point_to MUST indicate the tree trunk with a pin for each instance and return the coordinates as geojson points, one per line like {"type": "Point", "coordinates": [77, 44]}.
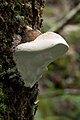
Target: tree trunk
{"type": "Point", "coordinates": [16, 100]}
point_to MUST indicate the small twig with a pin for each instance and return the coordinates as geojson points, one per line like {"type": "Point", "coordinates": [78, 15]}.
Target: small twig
{"type": "Point", "coordinates": [66, 19]}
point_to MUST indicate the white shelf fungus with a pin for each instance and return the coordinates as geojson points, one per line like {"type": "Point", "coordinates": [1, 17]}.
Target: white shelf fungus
{"type": "Point", "coordinates": [33, 57]}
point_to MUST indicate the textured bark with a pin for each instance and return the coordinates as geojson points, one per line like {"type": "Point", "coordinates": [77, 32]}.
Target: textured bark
{"type": "Point", "coordinates": [16, 100]}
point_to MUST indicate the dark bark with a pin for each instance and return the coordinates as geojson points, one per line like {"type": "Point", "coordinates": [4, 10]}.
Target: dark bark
{"type": "Point", "coordinates": [16, 100]}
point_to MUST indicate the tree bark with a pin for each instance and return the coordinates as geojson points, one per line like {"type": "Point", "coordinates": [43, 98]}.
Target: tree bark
{"type": "Point", "coordinates": [16, 100]}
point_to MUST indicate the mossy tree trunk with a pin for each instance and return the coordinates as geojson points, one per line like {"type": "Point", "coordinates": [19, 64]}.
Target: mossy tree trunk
{"type": "Point", "coordinates": [16, 100]}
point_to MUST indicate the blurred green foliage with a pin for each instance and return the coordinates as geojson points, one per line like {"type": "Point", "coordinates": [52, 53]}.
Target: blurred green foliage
{"type": "Point", "coordinates": [60, 88]}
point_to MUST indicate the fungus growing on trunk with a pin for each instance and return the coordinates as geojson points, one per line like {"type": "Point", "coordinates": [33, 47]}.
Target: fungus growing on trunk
{"type": "Point", "coordinates": [32, 58]}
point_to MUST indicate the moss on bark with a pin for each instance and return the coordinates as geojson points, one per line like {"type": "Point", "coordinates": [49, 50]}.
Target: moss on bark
{"type": "Point", "coordinates": [16, 100]}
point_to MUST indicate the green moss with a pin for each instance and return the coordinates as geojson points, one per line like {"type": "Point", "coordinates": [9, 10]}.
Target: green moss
{"type": "Point", "coordinates": [14, 16]}
{"type": "Point", "coordinates": [2, 108]}
{"type": "Point", "coordinates": [3, 99]}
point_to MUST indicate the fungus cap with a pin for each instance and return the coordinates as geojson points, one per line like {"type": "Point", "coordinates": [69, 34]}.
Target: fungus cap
{"type": "Point", "coordinates": [32, 58]}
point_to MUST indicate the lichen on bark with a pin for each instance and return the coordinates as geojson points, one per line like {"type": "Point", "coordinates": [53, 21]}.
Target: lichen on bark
{"type": "Point", "coordinates": [16, 100]}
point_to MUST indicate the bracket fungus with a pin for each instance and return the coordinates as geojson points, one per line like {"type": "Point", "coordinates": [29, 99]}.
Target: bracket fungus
{"type": "Point", "coordinates": [32, 58]}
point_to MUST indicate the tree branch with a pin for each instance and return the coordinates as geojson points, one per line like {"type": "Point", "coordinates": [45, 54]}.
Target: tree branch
{"type": "Point", "coordinates": [66, 19]}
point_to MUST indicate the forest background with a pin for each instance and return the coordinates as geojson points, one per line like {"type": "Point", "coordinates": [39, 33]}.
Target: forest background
{"type": "Point", "coordinates": [59, 90]}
